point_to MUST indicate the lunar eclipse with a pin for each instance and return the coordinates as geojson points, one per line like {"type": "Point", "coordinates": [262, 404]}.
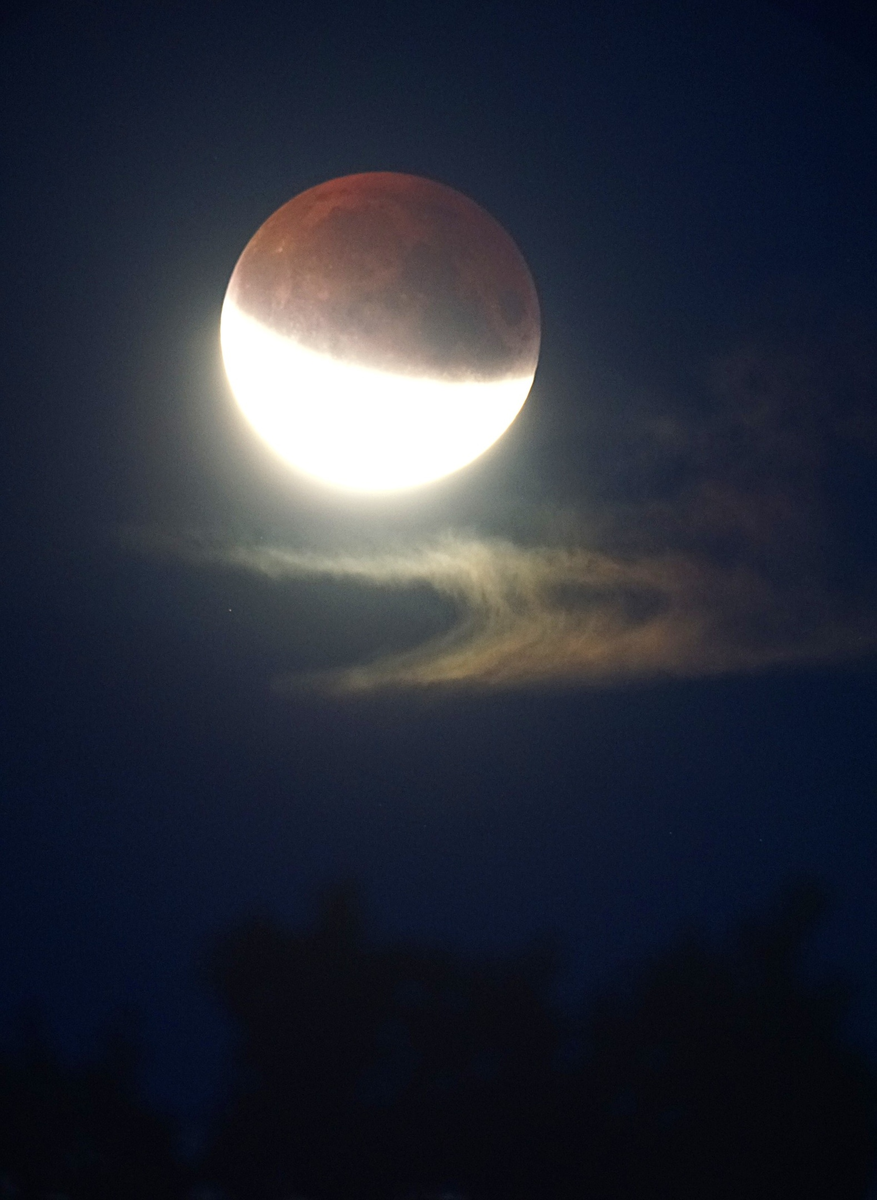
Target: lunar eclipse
{"type": "Point", "coordinates": [380, 331]}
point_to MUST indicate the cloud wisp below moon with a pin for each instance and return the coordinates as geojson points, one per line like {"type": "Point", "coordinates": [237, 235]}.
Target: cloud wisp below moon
{"type": "Point", "coordinates": [560, 616]}
{"type": "Point", "coordinates": [732, 534]}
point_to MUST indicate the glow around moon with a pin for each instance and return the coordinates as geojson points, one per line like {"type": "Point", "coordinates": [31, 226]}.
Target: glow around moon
{"type": "Point", "coordinates": [380, 331]}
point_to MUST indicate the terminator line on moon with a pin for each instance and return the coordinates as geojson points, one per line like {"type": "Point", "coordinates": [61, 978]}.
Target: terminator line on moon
{"type": "Point", "coordinates": [380, 331]}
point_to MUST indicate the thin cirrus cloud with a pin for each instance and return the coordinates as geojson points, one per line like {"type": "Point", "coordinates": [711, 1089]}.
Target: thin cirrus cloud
{"type": "Point", "coordinates": [738, 564]}
{"type": "Point", "coordinates": [541, 616]}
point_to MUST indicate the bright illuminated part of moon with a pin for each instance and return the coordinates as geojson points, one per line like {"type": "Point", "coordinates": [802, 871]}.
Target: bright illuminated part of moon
{"type": "Point", "coordinates": [380, 332]}
{"type": "Point", "coordinates": [354, 426]}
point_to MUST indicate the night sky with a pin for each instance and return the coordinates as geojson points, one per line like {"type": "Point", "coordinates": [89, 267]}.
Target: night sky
{"type": "Point", "coordinates": [615, 680]}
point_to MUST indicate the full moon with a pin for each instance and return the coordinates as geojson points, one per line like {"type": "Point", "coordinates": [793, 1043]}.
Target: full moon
{"type": "Point", "coordinates": [380, 331]}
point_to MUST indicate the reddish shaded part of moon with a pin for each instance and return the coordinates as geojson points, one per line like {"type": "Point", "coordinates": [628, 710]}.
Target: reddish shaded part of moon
{"type": "Point", "coordinates": [395, 273]}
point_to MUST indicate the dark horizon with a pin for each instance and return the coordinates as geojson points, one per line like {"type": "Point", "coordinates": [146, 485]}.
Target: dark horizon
{"type": "Point", "coordinates": [362, 1068]}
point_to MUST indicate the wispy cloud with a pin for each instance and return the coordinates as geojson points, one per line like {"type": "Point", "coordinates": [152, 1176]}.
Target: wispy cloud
{"type": "Point", "coordinates": [729, 569]}
{"type": "Point", "coordinates": [535, 616]}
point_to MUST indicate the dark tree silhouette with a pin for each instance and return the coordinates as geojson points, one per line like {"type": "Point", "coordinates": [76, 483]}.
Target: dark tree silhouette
{"type": "Point", "coordinates": [81, 1131]}
{"type": "Point", "coordinates": [724, 1073]}
{"type": "Point", "coordinates": [372, 1071]}
{"type": "Point", "coordinates": [401, 1072]}
{"type": "Point", "coordinates": [366, 1071]}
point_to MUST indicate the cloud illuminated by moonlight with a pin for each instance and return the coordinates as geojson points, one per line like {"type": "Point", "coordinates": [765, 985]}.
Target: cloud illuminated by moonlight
{"type": "Point", "coordinates": [746, 561]}
{"type": "Point", "coordinates": [550, 616]}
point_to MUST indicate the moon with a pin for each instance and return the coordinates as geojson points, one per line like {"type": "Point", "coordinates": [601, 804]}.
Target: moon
{"type": "Point", "coordinates": [380, 331]}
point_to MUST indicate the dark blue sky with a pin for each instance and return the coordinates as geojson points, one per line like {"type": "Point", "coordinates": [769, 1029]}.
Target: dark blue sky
{"type": "Point", "coordinates": [694, 191]}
